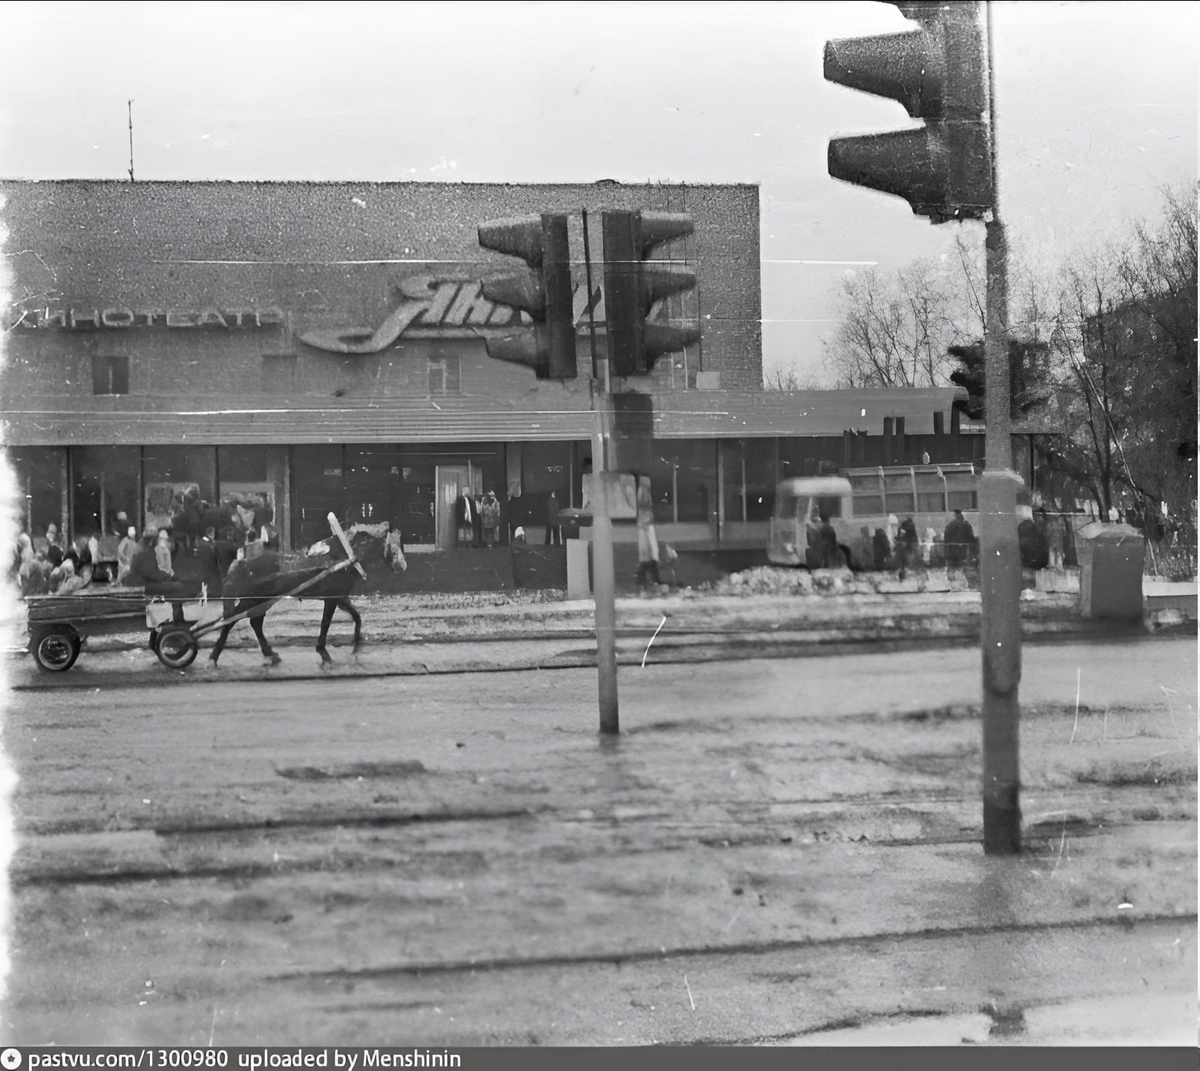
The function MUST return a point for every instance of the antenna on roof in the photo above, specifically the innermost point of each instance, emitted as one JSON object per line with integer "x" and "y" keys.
{"x": 130, "y": 105}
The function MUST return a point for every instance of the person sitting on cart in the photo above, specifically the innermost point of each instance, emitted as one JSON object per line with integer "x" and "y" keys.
{"x": 144, "y": 573}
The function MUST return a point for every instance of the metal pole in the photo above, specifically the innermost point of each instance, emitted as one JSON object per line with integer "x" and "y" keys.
{"x": 130, "y": 106}
{"x": 1000, "y": 556}
{"x": 602, "y": 544}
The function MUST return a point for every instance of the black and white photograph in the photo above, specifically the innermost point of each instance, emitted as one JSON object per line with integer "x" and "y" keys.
{"x": 545, "y": 526}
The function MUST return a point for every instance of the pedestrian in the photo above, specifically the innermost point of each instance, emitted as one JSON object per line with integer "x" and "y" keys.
{"x": 477, "y": 526}
{"x": 1035, "y": 551}
{"x": 830, "y": 553}
{"x": 647, "y": 573}
{"x": 464, "y": 518}
{"x": 490, "y": 509}
{"x": 163, "y": 552}
{"x": 206, "y": 556}
{"x": 253, "y": 547}
{"x": 907, "y": 544}
{"x": 881, "y": 550}
{"x": 927, "y": 545}
{"x": 553, "y": 533}
{"x": 53, "y": 549}
{"x": 35, "y": 570}
{"x": 958, "y": 537}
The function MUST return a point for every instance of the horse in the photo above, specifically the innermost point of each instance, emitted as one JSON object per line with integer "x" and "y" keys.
{"x": 254, "y": 584}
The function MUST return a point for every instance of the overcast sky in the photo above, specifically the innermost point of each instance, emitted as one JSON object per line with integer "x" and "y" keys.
{"x": 1097, "y": 107}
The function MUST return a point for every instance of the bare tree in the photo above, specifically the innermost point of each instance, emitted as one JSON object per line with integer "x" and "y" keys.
{"x": 896, "y": 328}
{"x": 784, "y": 377}
{"x": 1125, "y": 335}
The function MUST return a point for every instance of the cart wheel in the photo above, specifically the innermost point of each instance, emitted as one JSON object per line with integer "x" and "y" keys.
{"x": 56, "y": 648}
{"x": 177, "y": 647}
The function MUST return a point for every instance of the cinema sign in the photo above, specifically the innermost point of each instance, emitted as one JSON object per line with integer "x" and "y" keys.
{"x": 123, "y": 316}
{"x": 424, "y": 306}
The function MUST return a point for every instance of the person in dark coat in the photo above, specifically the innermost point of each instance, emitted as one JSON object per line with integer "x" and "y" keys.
{"x": 908, "y": 544}
{"x": 881, "y": 550}
{"x": 477, "y": 522}
{"x": 207, "y": 559}
{"x": 1035, "y": 548}
{"x": 828, "y": 553}
{"x": 959, "y": 538}
{"x": 464, "y": 518}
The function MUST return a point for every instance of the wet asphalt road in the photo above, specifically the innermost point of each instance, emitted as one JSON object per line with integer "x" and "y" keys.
{"x": 776, "y": 851}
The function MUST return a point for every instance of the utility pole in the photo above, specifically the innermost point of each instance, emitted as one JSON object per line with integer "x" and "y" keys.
{"x": 999, "y": 549}
{"x": 602, "y": 543}
{"x": 129, "y": 105}
{"x": 946, "y": 170}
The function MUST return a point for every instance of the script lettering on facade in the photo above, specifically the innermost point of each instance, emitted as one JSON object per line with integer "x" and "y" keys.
{"x": 469, "y": 306}
{"x": 432, "y": 294}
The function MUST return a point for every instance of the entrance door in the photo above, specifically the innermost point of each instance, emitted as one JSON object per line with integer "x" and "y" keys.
{"x": 451, "y": 480}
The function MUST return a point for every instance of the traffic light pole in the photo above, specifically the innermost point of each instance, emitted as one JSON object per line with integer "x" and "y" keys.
{"x": 602, "y": 543}
{"x": 1000, "y": 556}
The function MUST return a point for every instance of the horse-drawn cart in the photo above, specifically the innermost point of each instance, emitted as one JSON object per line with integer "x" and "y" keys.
{"x": 59, "y": 625}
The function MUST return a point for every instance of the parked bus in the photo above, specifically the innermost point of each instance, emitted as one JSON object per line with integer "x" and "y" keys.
{"x": 859, "y": 501}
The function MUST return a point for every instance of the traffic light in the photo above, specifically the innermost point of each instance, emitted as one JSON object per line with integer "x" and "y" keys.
{"x": 632, "y": 286}
{"x": 937, "y": 72}
{"x": 543, "y": 292}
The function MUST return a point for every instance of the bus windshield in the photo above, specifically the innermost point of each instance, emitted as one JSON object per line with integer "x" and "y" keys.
{"x": 790, "y": 507}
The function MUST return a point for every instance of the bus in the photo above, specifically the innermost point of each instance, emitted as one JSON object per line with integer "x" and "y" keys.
{"x": 860, "y": 500}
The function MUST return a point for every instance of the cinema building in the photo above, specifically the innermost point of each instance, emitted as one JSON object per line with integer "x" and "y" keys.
{"x": 317, "y": 347}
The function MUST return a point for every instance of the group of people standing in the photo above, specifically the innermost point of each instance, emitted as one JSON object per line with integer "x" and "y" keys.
{"x": 477, "y": 518}
{"x": 51, "y": 564}
{"x": 899, "y": 546}
{"x": 157, "y": 562}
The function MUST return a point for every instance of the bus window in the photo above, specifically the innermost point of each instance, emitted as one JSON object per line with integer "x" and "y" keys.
{"x": 785, "y": 506}
{"x": 829, "y": 506}
{"x": 931, "y": 493}
{"x": 899, "y": 489}
{"x": 868, "y": 504}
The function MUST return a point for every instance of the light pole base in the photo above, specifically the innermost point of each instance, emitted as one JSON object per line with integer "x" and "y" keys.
{"x": 1000, "y": 584}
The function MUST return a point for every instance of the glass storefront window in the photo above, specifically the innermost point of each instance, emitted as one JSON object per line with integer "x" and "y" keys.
{"x": 40, "y": 473}
{"x": 682, "y": 481}
{"x": 750, "y": 479}
{"x": 251, "y": 490}
{"x": 104, "y": 490}
{"x": 173, "y": 476}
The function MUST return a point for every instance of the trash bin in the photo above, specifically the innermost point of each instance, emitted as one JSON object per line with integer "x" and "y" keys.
{"x": 1111, "y": 558}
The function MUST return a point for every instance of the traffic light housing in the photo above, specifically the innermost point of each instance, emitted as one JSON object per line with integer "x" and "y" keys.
{"x": 632, "y": 286}
{"x": 544, "y": 292}
{"x": 937, "y": 72}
